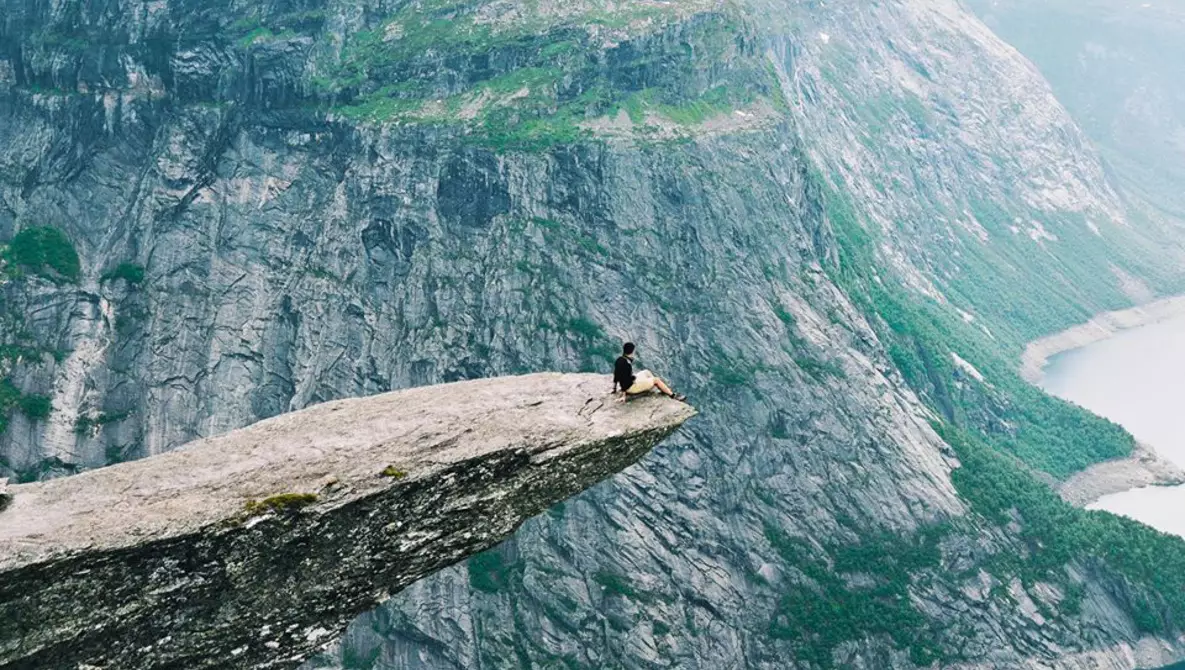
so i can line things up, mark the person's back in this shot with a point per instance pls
(623, 373)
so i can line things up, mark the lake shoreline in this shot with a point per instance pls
(1145, 467)
(1100, 327)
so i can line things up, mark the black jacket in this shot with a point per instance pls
(623, 374)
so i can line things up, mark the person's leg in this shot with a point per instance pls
(647, 381)
(643, 382)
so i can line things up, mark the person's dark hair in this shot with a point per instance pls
(628, 348)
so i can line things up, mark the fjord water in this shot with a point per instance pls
(1136, 379)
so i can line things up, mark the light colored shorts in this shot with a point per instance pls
(643, 382)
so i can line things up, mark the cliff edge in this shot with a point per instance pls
(254, 548)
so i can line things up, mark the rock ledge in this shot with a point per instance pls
(255, 548)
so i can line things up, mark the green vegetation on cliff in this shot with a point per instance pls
(44, 251)
(541, 83)
(818, 616)
(863, 589)
(1057, 534)
(280, 503)
(132, 273)
(1045, 432)
(87, 422)
(1002, 430)
(41, 251)
(32, 405)
(923, 337)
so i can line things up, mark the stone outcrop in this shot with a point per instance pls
(255, 548)
(1145, 467)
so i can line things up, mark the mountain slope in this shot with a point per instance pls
(801, 213)
(1118, 67)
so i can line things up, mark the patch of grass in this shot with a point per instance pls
(615, 585)
(558, 48)
(35, 406)
(506, 130)
(785, 317)
(819, 370)
(691, 112)
(381, 106)
(256, 29)
(526, 77)
(624, 17)
(585, 328)
(132, 273)
(490, 572)
(416, 31)
(718, 101)
(539, 83)
(256, 35)
(284, 502)
(635, 106)
(85, 423)
(533, 122)
(430, 29)
(44, 251)
(393, 472)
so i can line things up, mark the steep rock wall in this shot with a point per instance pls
(308, 230)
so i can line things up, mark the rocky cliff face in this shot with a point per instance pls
(279, 205)
(253, 548)
(1118, 67)
(957, 149)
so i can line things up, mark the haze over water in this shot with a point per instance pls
(1136, 379)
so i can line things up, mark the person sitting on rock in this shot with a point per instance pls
(644, 382)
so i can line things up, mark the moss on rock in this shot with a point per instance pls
(284, 502)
